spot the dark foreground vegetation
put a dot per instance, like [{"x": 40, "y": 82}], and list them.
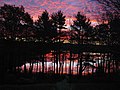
[{"x": 15, "y": 54}]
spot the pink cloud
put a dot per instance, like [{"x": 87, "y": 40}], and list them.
[{"x": 69, "y": 7}]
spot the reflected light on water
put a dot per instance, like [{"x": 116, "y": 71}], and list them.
[{"x": 67, "y": 65}]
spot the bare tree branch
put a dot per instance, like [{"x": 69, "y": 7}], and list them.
[{"x": 111, "y": 5}]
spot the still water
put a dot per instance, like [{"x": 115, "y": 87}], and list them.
[{"x": 71, "y": 63}]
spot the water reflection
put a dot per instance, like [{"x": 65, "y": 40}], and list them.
[{"x": 65, "y": 63}]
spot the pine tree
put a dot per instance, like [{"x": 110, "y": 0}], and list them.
[
  {"x": 58, "y": 22},
  {"x": 14, "y": 19},
  {"x": 82, "y": 31}
]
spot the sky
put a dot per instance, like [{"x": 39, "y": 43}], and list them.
[{"x": 69, "y": 7}]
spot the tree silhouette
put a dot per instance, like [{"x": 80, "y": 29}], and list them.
[
  {"x": 44, "y": 28},
  {"x": 113, "y": 14},
  {"x": 114, "y": 29},
  {"x": 13, "y": 18},
  {"x": 81, "y": 29},
  {"x": 13, "y": 22},
  {"x": 58, "y": 22},
  {"x": 102, "y": 34},
  {"x": 115, "y": 40}
]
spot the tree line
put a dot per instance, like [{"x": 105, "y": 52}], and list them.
[{"x": 17, "y": 24}]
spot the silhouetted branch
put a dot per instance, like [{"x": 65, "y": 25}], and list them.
[{"x": 114, "y": 5}]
